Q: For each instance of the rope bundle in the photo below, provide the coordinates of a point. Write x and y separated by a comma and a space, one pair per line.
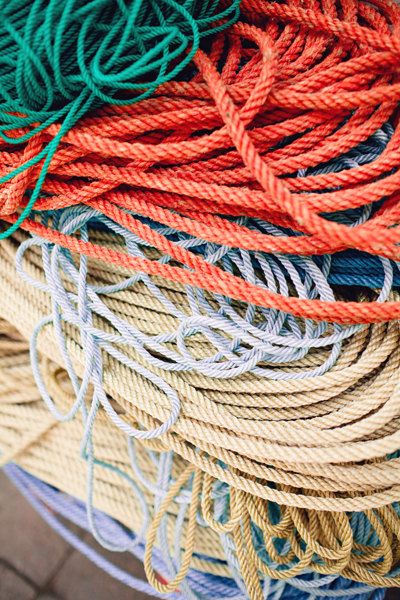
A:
196, 359
64, 58
310, 397
228, 143
150, 473
50, 502
329, 434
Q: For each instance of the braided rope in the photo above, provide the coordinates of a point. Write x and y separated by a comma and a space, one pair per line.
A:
315, 401
66, 57
228, 142
315, 485
48, 502
195, 358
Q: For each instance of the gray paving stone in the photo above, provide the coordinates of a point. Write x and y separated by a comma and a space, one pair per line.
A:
80, 579
8, 492
26, 541
123, 560
13, 587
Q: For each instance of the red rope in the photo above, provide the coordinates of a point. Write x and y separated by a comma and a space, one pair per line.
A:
301, 84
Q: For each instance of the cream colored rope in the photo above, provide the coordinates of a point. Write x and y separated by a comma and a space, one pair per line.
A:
318, 446
313, 433
53, 455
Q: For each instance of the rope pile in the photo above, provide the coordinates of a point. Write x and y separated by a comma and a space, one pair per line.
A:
149, 472
335, 461
209, 278
297, 87
48, 502
65, 58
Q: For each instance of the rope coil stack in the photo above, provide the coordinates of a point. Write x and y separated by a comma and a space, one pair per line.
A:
123, 498
209, 281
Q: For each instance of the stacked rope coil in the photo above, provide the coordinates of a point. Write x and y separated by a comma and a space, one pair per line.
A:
213, 272
63, 59
228, 142
303, 489
217, 580
50, 502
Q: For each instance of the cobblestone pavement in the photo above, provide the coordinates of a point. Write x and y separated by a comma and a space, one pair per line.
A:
37, 564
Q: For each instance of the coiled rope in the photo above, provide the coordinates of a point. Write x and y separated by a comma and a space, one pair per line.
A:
62, 59
122, 497
185, 328
50, 502
311, 445
306, 382
228, 142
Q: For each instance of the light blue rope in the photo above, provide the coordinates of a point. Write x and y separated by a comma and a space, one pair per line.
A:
271, 335
241, 339
48, 502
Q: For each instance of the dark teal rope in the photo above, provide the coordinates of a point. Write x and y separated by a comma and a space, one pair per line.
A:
61, 58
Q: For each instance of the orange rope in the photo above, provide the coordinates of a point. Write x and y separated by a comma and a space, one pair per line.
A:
301, 84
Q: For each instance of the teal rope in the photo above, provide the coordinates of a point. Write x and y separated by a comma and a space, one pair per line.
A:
60, 59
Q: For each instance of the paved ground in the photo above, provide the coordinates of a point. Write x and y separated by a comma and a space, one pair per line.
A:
36, 564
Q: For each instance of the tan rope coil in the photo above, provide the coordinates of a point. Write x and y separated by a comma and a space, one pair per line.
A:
54, 457
319, 447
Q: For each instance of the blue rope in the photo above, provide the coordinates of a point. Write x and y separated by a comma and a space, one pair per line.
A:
48, 501
357, 269
240, 340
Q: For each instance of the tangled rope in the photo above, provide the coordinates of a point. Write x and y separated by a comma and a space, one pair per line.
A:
297, 446
227, 144
152, 488
62, 59
50, 502
196, 359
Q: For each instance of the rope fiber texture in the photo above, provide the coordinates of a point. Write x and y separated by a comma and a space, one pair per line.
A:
308, 462
197, 368
287, 89
62, 58
52, 504
134, 499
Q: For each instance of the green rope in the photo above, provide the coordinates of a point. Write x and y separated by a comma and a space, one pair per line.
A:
61, 58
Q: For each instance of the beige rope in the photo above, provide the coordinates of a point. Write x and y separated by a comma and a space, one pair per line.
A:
53, 454
312, 433
54, 457
322, 442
